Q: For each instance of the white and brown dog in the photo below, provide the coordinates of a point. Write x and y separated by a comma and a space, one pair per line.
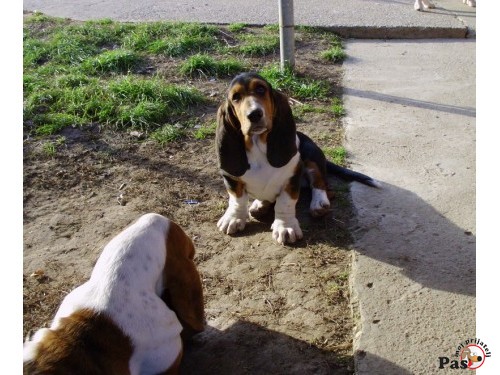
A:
261, 155
426, 4
128, 317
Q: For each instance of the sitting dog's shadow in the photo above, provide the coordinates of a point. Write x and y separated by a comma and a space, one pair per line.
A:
247, 348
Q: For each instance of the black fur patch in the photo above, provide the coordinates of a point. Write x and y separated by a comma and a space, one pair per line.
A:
281, 145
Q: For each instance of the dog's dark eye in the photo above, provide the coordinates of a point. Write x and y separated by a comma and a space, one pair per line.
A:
236, 96
260, 90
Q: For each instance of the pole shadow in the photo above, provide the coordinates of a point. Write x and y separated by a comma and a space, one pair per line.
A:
408, 102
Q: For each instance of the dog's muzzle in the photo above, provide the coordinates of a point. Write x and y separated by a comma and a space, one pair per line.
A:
255, 115
257, 125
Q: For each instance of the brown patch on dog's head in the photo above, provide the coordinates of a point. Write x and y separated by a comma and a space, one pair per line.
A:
251, 100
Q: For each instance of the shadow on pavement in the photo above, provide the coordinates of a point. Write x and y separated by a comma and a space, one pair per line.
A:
378, 365
401, 229
463, 111
233, 351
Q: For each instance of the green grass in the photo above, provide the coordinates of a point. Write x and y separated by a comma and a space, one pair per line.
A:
336, 52
82, 73
236, 27
338, 284
52, 123
332, 288
40, 25
171, 39
114, 61
168, 133
338, 107
40, 18
205, 131
124, 102
143, 114
204, 65
343, 276
258, 45
272, 28
106, 72
72, 80
310, 29
102, 33
336, 154
49, 148
180, 46
297, 87
301, 110
146, 103
154, 88
35, 52
61, 48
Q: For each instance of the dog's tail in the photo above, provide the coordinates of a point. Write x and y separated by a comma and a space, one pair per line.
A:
349, 175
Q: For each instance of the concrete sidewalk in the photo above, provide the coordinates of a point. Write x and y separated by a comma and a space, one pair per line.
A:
350, 18
411, 124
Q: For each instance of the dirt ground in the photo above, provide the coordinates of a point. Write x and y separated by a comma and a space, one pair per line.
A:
270, 309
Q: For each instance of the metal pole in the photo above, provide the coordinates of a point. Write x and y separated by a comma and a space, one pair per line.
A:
287, 38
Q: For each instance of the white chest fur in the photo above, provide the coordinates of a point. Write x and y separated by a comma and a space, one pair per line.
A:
263, 181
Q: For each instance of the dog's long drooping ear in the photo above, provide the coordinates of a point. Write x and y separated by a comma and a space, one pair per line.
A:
281, 142
184, 293
230, 142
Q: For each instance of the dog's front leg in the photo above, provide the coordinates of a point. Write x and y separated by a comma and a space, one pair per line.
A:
286, 227
421, 4
235, 217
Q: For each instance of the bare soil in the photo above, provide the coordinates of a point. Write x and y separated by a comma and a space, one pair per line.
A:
270, 309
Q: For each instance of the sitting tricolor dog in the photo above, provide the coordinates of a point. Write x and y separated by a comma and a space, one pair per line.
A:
261, 155
128, 317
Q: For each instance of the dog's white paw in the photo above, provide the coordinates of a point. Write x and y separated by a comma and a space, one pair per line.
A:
320, 204
420, 4
286, 231
232, 222
471, 3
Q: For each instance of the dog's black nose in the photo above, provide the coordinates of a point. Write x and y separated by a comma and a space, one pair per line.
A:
255, 115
